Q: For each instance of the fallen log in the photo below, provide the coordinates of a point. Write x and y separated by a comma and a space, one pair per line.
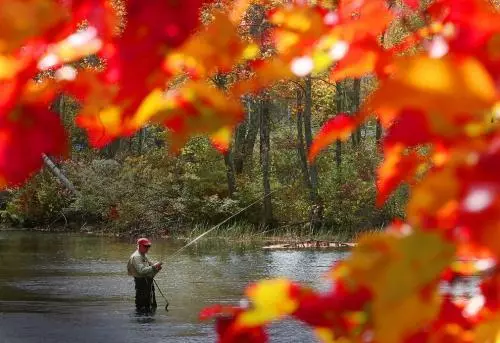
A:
311, 244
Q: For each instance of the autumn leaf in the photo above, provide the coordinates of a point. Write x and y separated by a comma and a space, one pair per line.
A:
445, 88
363, 58
397, 167
298, 28
434, 203
410, 129
413, 4
27, 132
266, 72
221, 139
399, 272
227, 330
195, 108
361, 19
270, 300
201, 54
42, 16
103, 127
488, 331
336, 128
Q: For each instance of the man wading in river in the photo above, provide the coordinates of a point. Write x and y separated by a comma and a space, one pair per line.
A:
143, 272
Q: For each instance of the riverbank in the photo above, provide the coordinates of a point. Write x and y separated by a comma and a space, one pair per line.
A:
236, 233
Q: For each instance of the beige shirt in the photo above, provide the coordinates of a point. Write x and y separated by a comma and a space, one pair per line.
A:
139, 266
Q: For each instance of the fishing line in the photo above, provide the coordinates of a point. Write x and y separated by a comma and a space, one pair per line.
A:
206, 233
219, 224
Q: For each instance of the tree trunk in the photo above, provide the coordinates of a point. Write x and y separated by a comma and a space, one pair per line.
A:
231, 181
378, 132
301, 149
142, 134
251, 133
60, 177
239, 142
267, 213
356, 98
339, 100
313, 173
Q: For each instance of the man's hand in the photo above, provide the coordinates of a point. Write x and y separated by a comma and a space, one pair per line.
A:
157, 266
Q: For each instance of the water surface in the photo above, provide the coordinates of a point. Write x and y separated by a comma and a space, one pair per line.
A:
74, 288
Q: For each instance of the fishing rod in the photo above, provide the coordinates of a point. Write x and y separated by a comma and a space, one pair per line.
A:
206, 233
219, 224
163, 295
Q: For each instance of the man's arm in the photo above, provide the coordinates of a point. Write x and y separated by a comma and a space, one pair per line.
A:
143, 269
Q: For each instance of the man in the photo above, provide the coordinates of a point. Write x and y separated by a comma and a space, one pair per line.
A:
143, 272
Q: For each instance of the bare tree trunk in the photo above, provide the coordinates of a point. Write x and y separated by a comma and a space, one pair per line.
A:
239, 142
231, 181
339, 100
60, 177
267, 213
251, 134
356, 99
112, 148
142, 134
316, 213
378, 132
301, 149
313, 173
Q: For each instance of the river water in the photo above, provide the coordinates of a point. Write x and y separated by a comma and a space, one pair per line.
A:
74, 288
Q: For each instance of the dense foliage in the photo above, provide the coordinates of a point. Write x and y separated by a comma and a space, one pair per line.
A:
437, 70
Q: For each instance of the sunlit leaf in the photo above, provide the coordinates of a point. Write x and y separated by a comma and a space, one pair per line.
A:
27, 132
362, 58
221, 139
201, 54
399, 271
397, 167
24, 20
433, 202
270, 300
446, 88
336, 128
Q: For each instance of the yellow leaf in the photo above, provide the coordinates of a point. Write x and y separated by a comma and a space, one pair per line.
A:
9, 67
217, 48
444, 88
395, 319
325, 335
488, 331
221, 139
433, 197
24, 19
270, 300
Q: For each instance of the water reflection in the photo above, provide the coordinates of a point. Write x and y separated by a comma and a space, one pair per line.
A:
75, 288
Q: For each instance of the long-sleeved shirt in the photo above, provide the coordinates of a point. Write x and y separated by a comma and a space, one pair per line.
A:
139, 266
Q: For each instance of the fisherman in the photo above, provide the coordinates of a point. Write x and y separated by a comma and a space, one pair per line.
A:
143, 272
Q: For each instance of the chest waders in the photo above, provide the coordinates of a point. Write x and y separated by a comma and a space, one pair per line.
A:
145, 299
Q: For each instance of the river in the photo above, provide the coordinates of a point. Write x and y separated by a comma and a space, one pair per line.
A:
74, 288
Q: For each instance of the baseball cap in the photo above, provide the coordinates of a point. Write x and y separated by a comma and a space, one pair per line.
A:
144, 241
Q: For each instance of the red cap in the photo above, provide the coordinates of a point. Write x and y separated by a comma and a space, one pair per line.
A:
144, 241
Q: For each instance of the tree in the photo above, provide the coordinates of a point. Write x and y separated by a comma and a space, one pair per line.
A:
436, 96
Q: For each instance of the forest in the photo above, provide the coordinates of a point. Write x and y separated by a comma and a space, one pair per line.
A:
333, 117
134, 185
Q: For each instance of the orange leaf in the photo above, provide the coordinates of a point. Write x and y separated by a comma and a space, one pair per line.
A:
26, 133
24, 20
361, 59
396, 168
221, 139
444, 87
216, 48
433, 202
338, 127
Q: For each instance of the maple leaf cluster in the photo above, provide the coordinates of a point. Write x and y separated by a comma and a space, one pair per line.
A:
437, 99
